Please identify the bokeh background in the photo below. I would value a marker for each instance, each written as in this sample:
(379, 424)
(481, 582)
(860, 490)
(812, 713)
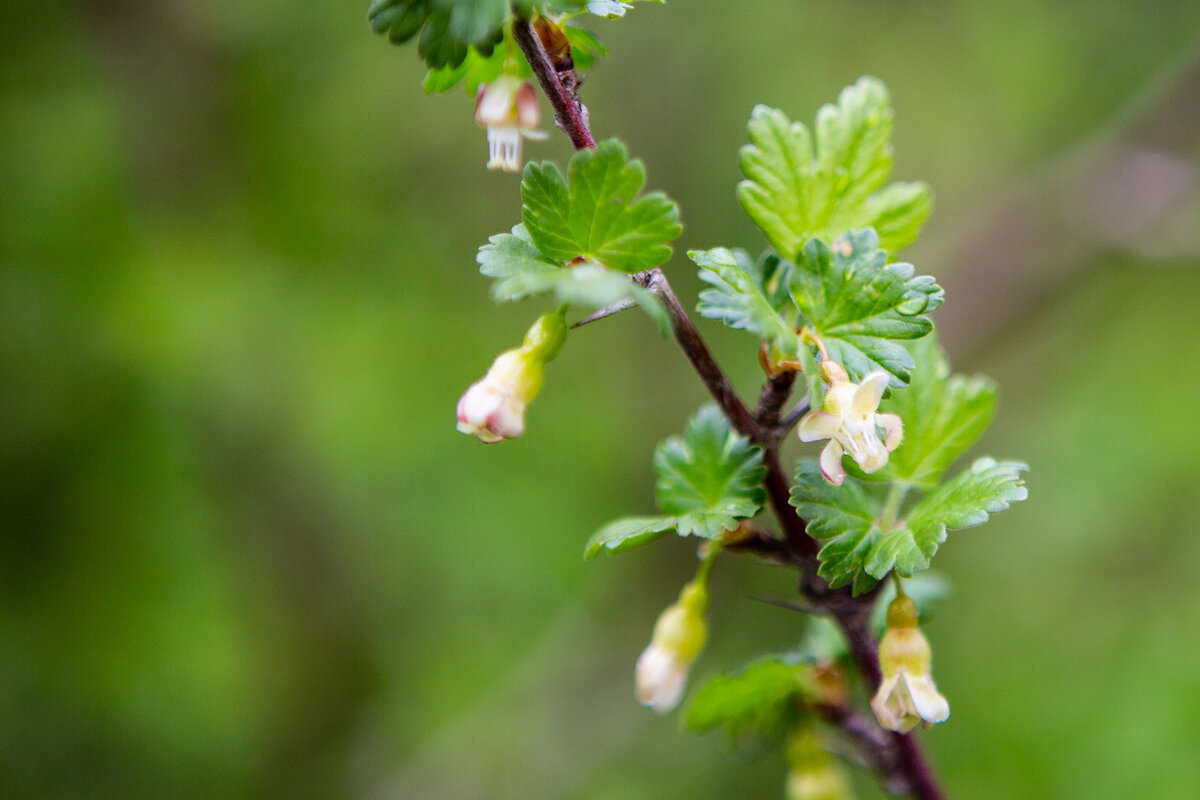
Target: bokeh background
(244, 554)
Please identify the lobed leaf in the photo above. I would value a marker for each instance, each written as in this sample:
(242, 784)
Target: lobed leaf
(709, 480)
(448, 29)
(861, 306)
(522, 271)
(987, 487)
(797, 189)
(595, 216)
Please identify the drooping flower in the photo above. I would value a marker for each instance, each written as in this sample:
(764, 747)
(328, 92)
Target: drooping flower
(493, 408)
(907, 694)
(679, 634)
(508, 108)
(849, 420)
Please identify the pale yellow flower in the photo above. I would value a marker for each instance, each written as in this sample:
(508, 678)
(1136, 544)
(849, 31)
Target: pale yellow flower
(849, 420)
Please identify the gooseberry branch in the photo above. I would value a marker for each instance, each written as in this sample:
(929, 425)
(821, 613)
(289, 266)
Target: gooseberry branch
(895, 757)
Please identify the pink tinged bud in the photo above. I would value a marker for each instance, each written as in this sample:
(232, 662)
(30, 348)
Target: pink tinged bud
(850, 422)
(494, 408)
(508, 108)
(679, 635)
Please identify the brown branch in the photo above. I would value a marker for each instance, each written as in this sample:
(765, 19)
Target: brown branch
(569, 113)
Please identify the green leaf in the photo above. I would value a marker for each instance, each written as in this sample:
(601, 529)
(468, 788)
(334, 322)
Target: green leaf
(795, 190)
(596, 218)
(741, 301)
(843, 518)
(628, 533)
(708, 480)
(710, 477)
(448, 28)
(967, 500)
(861, 306)
(761, 699)
(944, 415)
(522, 271)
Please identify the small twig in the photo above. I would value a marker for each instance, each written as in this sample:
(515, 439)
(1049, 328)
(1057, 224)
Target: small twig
(607, 311)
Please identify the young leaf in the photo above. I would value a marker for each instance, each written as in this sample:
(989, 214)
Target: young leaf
(760, 699)
(793, 193)
(844, 518)
(596, 217)
(710, 477)
(967, 500)
(740, 301)
(943, 417)
(521, 271)
(860, 305)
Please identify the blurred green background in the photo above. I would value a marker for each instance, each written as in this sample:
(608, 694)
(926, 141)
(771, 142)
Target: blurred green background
(244, 553)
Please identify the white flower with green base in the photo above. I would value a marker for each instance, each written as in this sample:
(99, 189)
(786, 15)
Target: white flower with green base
(493, 409)
(907, 695)
(679, 635)
(508, 108)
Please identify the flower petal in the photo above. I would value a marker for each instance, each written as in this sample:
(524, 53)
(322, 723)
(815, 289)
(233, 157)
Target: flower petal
(818, 425)
(869, 393)
(893, 430)
(928, 702)
(831, 463)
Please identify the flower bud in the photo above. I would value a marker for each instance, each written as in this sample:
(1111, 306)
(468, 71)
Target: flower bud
(813, 773)
(494, 407)
(907, 694)
(679, 635)
(508, 108)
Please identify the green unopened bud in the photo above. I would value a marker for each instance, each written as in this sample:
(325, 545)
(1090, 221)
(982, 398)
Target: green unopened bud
(679, 636)
(907, 694)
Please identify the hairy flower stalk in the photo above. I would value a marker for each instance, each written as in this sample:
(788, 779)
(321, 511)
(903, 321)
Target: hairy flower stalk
(907, 694)
(508, 108)
(493, 408)
(849, 420)
(679, 634)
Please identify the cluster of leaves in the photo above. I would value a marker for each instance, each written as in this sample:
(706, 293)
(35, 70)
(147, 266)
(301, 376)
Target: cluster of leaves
(709, 480)
(848, 295)
(832, 222)
(864, 536)
(583, 235)
(470, 40)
